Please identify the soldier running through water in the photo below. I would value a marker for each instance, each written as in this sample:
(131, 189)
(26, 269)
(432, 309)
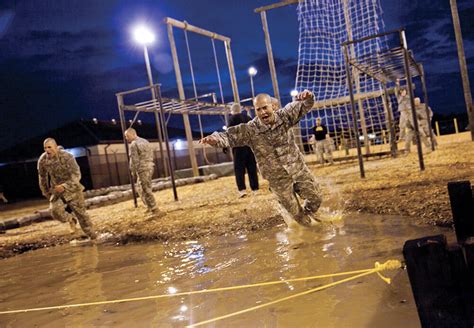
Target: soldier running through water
(142, 167)
(280, 161)
(59, 180)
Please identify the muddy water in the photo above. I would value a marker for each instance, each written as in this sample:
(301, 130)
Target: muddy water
(67, 275)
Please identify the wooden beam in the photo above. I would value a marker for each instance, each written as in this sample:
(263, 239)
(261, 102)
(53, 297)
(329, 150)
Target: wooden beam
(271, 62)
(195, 29)
(233, 79)
(276, 5)
(319, 105)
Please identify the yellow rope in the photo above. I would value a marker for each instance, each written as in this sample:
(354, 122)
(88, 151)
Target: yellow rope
(143, 298)
(388, 265)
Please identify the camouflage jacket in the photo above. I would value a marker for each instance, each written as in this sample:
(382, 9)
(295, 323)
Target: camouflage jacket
(61, 169)
(421, 113)
(273, 145)
(403, 103)
(141, 155)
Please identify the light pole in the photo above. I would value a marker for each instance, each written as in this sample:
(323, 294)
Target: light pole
(144, 36)
(252, 72)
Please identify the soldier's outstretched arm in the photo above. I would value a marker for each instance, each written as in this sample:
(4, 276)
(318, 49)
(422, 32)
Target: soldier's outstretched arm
(295, 110)
(235, 136)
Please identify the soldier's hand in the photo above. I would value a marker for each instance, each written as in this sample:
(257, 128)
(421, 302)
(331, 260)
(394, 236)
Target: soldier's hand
(59, 189)
(306, 94)
(209, 140)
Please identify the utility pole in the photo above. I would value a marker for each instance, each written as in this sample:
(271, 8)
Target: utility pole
(463, 66)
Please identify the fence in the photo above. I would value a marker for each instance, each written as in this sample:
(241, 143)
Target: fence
(111, 169)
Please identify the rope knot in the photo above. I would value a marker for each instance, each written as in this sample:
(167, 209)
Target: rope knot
(388, 265)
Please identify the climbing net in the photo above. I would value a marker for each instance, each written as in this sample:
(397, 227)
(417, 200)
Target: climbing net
(323, 26)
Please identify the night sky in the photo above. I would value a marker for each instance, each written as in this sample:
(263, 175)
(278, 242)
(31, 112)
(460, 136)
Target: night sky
(63, 60)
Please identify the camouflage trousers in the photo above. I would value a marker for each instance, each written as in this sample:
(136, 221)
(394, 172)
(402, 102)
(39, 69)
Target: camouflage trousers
(410, 136)
(78, 213)
(144, 188)
(303, 184)
(322, 147)
(405, 122)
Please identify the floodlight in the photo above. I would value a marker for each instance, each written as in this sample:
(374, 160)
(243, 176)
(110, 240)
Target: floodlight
(252, 71)
(143, 35)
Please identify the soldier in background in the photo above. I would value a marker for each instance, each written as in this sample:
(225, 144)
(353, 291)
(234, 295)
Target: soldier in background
(403, 100)
(323, 143)
(280, 161)
(142, 167)
(243, 156)
(424, 121)
(59, 180)
(410, 136)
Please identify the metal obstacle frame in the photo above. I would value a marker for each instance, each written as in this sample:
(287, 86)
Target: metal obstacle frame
(187, 107)
(387, 66)
(155, 106)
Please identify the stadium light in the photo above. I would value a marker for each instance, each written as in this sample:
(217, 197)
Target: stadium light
(143, 35)
(252, 72)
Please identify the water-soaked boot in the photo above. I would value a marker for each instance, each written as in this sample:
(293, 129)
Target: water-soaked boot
(74, 227)
(309, 212)
(303, 219)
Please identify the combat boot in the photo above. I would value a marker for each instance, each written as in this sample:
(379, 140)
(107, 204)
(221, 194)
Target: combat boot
(155, 213)
(74, 227)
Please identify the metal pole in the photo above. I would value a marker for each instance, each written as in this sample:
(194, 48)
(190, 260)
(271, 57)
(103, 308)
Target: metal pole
(230, 63)
(271, 62)
(251, 86)
(427, 107)
(179, 82)
(463, 66)
(412, 99)
(354, 117)
(165, 132)
(355, 73)
(127, 151)
(393, 144)
(158, 125)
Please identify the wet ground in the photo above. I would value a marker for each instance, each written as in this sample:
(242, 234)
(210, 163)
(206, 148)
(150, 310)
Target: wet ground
(77, 274)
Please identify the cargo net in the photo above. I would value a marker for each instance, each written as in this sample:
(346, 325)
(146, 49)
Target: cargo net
(323, 26)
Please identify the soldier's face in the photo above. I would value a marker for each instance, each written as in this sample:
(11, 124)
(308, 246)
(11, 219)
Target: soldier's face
(264, 111)
(51, 148)
(128, 137)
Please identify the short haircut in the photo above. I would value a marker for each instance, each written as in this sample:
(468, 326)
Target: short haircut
(131, 131)
(48, 140)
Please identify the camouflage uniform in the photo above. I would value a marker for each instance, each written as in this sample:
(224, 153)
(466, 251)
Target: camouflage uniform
(63, 169)
(278, 158)
(420, 117)
(425, 122)
(142, 167)
(406, 119)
